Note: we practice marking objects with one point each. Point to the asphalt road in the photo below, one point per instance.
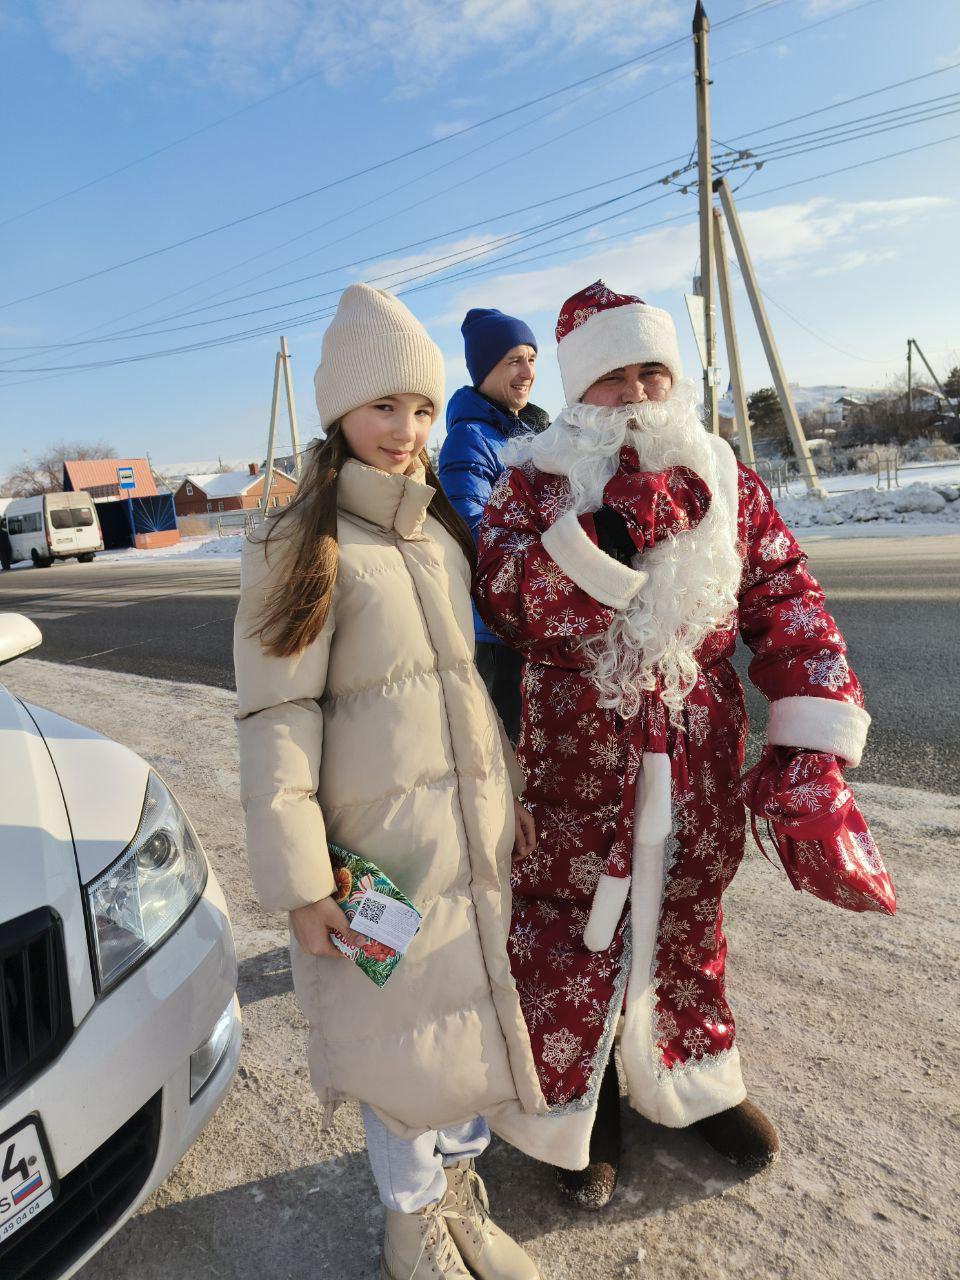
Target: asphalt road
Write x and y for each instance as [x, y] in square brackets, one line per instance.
[897, 601]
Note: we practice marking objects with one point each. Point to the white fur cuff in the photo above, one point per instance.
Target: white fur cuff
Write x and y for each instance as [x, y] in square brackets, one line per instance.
[602, 577]
[609, 899]
[819, 724]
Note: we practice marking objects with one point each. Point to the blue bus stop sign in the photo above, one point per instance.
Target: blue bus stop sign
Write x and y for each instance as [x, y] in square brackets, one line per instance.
[125, 477]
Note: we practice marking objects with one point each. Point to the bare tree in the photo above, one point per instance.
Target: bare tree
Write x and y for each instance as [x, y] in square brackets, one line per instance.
[44, 474]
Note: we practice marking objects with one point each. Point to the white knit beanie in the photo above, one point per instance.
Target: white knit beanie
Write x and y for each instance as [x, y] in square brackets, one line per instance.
[375, 346]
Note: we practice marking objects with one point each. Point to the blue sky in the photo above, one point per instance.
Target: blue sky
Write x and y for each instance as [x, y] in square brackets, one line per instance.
[860, 260]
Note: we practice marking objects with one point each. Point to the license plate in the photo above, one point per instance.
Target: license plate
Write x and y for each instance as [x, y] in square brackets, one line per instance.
[27, 1181]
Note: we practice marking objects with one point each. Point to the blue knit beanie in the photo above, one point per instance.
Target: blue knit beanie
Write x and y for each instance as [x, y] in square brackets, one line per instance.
[488, 335]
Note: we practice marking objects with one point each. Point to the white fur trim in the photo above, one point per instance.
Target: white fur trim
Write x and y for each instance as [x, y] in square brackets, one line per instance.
[612, 339]
[699, 1088]
[819, 724]
[602, 577]
[653, 817]
[609, 899]
[562, 1139]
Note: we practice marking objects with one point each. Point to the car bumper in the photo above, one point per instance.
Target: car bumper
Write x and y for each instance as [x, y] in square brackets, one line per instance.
[135, 1044]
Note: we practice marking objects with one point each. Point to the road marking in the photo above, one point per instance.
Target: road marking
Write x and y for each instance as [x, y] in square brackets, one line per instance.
[135, 644]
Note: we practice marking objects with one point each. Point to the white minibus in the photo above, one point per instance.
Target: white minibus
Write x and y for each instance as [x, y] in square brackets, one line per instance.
[48, 527]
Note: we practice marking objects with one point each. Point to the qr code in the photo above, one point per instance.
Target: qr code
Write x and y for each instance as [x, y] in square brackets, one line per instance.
[371, 910]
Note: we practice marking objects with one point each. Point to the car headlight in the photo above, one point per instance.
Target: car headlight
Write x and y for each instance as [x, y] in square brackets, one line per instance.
[137, 902]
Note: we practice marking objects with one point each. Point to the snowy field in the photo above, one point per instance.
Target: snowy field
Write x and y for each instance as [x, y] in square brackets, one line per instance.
[844, 1023]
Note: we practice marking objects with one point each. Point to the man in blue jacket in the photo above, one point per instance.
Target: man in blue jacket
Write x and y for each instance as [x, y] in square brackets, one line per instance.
[501, 354]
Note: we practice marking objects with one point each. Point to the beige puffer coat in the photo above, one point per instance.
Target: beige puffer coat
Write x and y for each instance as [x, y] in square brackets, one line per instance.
[385, 721]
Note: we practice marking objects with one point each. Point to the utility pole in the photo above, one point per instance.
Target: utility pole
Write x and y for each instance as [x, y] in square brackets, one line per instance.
[913, 342]
[701, 26]
[291, 411]
[741, 415]
[909, 381]
[800, 447]
[272, 436]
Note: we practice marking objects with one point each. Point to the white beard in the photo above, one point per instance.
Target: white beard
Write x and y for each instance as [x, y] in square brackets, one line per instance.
[693, 577]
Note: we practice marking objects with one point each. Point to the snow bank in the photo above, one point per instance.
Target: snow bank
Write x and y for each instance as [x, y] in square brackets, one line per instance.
[935, 507]
[186, 549]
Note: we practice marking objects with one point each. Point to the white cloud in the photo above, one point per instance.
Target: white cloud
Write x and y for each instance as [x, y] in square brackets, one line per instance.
[444, 128]
[820, 236]
[246, 43]
[469, 250]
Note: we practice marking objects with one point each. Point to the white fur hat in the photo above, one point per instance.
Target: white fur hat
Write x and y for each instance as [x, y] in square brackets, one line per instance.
[599, 330]
[375, 346]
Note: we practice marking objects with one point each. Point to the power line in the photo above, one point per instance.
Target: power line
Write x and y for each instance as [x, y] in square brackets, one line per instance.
[849, 168]
[780, 144]
[500, 164]
[336, 182]
[492, 168]
[137, 331]
[846, 102]
[788, 147]
[206, 128]
[293, 322]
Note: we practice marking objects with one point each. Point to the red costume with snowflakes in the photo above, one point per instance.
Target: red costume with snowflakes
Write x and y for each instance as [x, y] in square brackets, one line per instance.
[634, 773]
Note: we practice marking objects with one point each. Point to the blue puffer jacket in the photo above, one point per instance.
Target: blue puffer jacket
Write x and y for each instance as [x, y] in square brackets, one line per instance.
[470, 465]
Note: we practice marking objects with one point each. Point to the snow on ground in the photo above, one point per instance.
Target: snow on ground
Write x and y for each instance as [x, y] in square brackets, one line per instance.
[844, 1023]
[191, 548]
[914, 508]
[935, 473]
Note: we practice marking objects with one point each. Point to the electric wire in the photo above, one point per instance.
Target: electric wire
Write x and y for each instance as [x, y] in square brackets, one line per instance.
[500, 164]
[485, 247]
[679, 80]
[206, 128]
[917, 112]
[336, 182]
[295, 321]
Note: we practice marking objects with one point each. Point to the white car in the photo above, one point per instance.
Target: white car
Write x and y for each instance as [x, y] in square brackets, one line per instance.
[119, 1022]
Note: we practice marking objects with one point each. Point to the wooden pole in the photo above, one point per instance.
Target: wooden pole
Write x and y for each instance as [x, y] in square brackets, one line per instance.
[701, 26]
[936, 380]
[733, 351]
[272, 436]
[909, 382]
[291, 410]
[800, 448]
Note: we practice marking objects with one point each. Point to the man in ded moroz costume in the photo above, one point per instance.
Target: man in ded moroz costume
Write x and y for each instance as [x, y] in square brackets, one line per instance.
[621, 552]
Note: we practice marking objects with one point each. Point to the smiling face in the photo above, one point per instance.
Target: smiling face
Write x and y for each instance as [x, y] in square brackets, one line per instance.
[630, 385]
[510, 380]
[388, 433]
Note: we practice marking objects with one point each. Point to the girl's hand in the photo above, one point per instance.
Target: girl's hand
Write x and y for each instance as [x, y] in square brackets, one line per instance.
[313, 924]
[525, 840]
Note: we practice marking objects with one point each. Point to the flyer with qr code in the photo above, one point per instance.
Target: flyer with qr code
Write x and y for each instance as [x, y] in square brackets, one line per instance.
[375, 908]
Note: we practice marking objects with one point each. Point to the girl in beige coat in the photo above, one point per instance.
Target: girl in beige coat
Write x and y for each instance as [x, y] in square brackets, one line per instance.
[363, 720]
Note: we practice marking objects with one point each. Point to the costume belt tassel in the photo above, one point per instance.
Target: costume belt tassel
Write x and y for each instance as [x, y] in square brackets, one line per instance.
[652, 826]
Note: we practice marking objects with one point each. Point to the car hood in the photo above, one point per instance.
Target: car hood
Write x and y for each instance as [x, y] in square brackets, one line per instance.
[38, 866]
[103, 784]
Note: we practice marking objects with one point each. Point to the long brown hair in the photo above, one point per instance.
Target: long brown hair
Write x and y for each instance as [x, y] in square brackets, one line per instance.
[297, 608]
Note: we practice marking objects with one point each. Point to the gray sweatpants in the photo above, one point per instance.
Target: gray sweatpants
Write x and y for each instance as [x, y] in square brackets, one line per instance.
[409, 1171]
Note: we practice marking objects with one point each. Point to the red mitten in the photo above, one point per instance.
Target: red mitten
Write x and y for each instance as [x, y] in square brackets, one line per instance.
[655, 504]
[818, 831]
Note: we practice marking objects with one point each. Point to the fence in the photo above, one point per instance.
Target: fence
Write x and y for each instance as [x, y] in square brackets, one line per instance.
[223, 523]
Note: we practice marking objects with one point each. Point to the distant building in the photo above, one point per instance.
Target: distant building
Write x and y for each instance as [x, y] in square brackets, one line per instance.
[231, 491]
[131, 511]
[100, 477]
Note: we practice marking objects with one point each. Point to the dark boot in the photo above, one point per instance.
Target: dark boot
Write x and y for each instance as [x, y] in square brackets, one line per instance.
[593, 1187]
[743, 1135]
